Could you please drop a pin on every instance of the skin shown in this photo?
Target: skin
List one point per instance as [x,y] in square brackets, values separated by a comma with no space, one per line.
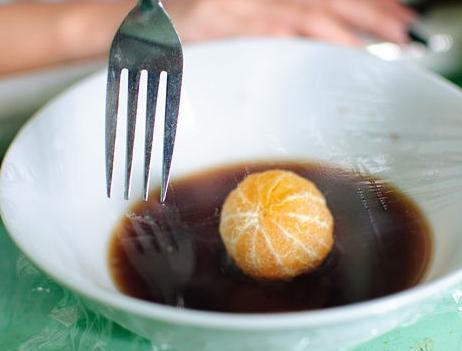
[37,34]
[336,21]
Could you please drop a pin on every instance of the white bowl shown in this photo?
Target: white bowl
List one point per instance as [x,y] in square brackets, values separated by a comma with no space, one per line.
[250,99]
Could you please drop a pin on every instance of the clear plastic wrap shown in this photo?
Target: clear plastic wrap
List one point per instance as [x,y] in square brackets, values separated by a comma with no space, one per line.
[38,314]
[309,102]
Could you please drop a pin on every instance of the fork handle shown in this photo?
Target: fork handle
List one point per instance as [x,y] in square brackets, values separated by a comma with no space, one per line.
[148,4]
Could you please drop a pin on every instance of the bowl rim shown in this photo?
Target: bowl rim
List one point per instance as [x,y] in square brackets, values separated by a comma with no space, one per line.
[221,320]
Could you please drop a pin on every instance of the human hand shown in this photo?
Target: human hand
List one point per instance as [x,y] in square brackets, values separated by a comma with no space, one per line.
[40,34]
[385,19]
[338,21]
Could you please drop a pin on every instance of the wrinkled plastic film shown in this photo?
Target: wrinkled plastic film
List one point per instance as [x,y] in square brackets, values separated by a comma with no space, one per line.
[356,119]
[39,314]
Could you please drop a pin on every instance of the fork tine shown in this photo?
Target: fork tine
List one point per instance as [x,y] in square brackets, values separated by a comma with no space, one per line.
[153,86]
[133,87]
[171,119]
[112,106]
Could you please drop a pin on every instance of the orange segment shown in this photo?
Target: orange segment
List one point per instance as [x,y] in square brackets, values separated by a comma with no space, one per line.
[276,225]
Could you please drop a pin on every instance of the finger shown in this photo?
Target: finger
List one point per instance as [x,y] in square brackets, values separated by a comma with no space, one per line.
[237,18]
[310,21]
[370,17]
[324,26]
[264,18]
[403,12]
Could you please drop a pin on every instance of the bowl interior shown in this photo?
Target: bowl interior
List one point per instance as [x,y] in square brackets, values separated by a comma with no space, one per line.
[275,100]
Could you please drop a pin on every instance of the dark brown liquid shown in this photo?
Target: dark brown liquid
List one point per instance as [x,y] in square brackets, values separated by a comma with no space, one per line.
[382,245]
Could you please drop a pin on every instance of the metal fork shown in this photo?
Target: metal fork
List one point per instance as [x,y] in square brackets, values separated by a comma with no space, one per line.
[146,40]
[162,253]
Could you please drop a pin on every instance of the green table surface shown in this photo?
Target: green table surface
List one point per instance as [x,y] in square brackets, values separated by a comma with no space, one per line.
[38,314]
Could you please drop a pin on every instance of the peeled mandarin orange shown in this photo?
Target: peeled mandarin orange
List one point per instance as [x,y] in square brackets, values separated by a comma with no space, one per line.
[276,225]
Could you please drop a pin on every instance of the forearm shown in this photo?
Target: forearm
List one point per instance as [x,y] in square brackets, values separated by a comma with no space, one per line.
[34,35]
